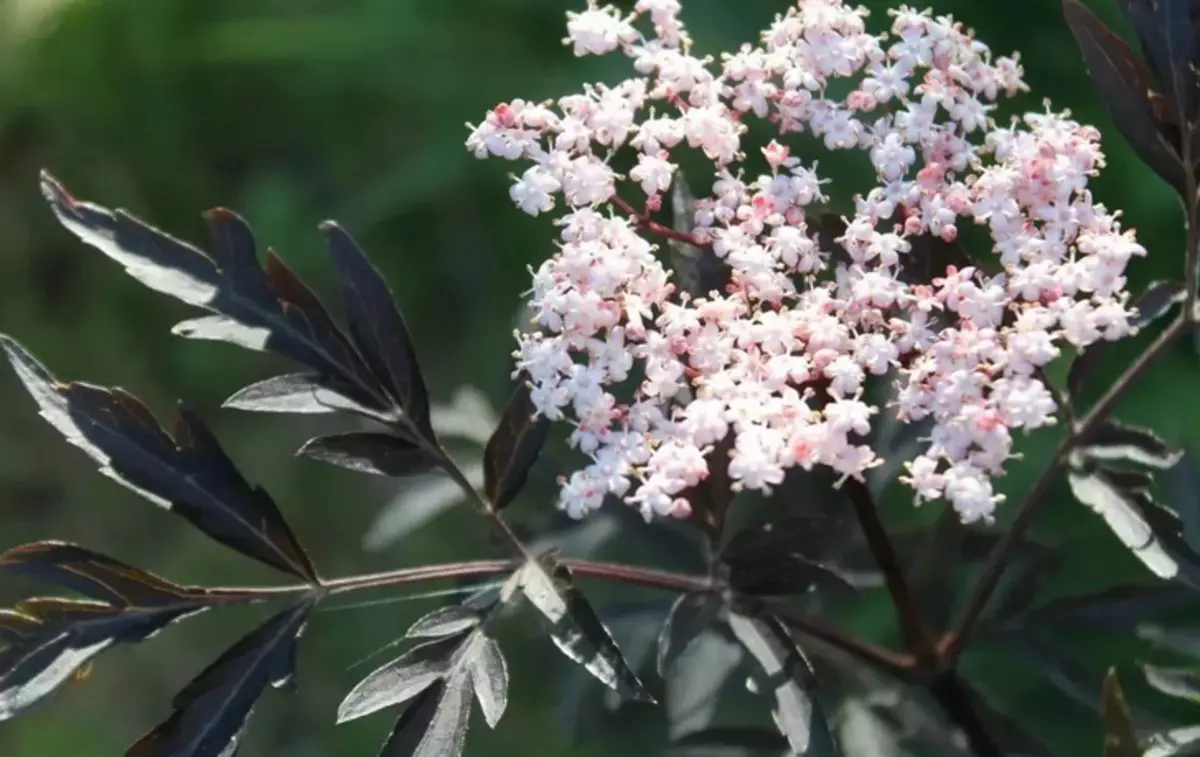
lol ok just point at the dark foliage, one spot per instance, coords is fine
(745, 595)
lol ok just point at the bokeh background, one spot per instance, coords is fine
(293, 111)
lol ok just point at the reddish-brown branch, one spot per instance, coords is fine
(654, 227)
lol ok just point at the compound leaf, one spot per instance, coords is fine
(189, 474)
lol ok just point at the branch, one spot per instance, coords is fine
(632, 574)
(952, 644)
(918, 637)
(654, 227)
(899, 665)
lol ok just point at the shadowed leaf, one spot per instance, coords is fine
(188, 474)
(212, 710)
(1119, 737)
(378, 328)
(689, 615)
(370, 452)
(789, 678)
(576, 629)
(1122, 82)
(513, 448)
(44, 641)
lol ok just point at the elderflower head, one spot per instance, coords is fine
(777, 362)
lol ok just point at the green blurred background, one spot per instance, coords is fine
(293, 111)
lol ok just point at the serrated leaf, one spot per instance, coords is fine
(44, 641)
(576, 629)
(435, 724)
(402, 678)
(1120, 740)
(1118, 441)
(189, 474)
(513, 448)
(271, 310)
(689, 615)
(1169, 44)
(212, 710)
(374, 452)
(797, 714)
(1158, 300)
(1122, 82)
(378, 328)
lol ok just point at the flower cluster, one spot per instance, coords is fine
(652, 377)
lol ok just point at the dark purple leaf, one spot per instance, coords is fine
(575, 628)
(44, 641)
(370, 452)
(1123, 83)
(779, 575)
(710, 499)
(1117, 441)
(1168, 40)
(1159, 299)
(188, 474)
(513, 448)
(378, 328)
(270, 310)
(212, 710)
(690, 615)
